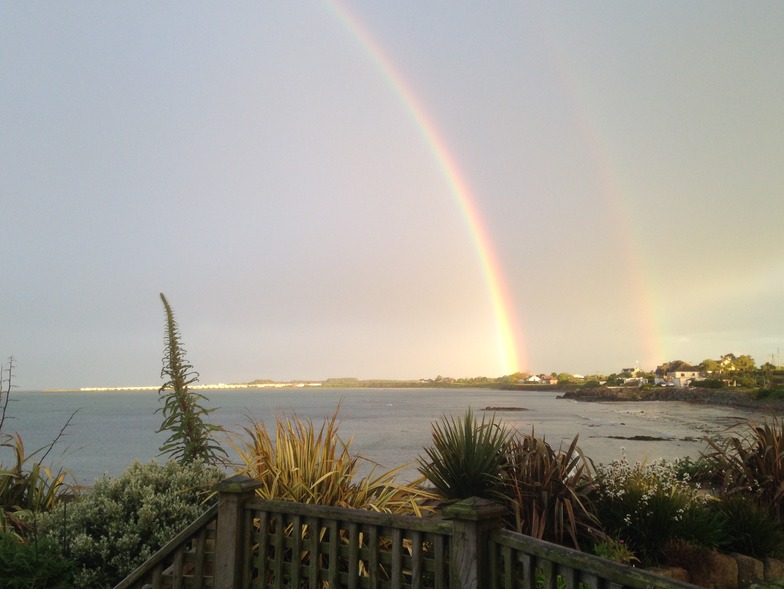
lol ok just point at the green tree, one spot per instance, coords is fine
(709, 365)
(728, 362)
(191, 438)
(745, 363)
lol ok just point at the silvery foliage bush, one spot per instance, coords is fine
(113, 528)
(648, 504)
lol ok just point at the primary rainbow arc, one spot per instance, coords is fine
(510, 348)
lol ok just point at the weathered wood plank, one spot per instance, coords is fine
(360, 516)
(417, 560)
(199, 565)
(313, 534)
(333, 538)
(529, 571)
(279, 549)
(587, 563)
(570, 576)
(248, 540)
(354, 541)
(296, 550)
(156, 578)
(373, 560)
(262, 538)
(441, 575)
(396, 568)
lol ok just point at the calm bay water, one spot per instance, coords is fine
(389, 426)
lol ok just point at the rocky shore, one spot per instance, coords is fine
(690, 395)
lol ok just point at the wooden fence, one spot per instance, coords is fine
(246, 543)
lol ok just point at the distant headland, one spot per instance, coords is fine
(335, 383)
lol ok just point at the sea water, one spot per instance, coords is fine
(107, 431)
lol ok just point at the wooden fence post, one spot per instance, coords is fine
(472, 521)
(229, 559)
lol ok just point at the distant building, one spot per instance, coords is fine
(637, 381)
(683, 376)
(676, 374)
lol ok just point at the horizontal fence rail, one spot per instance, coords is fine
(186, 562)
(522, 562)
(312, 546)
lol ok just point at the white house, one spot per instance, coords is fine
(683, 376)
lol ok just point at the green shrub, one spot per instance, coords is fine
(646, 505)
(702, 471)
(467, 457)
(772, 394)
(118, 524)
(615, 550)
(709, 383)
(592, 384)
(549, 491)
(36, 565)
(751, 528)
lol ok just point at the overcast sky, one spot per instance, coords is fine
(259, 163)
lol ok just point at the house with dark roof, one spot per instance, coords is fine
(678, 374)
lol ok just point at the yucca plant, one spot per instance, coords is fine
(467, 457)
(549, 491)
(299, 462)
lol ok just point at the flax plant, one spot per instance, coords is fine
(753, 462)
(550, 490)
(299, 462)
(27, 487)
